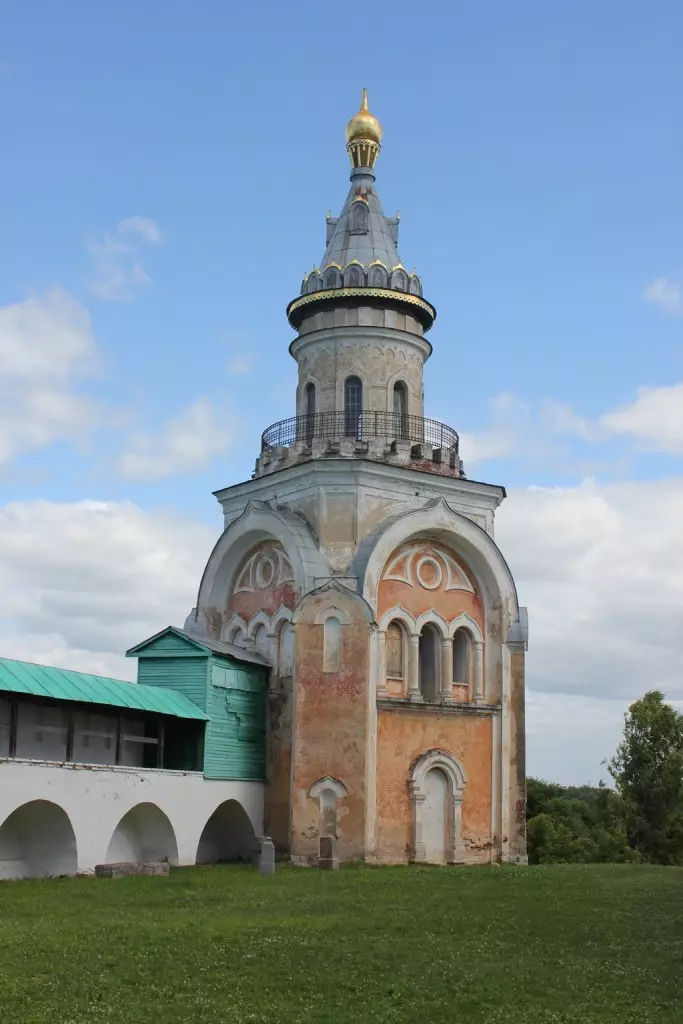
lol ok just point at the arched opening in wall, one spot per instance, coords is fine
(400, 409)
(429, 661)
(353, 406)
(309, 410)
(394, 646)
(37, 841)
(236, 636)
(462, 657)
(331, 644)
(262, 642)
(435, 816)
(227, 836)
(143, 835)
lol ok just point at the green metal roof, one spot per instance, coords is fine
(65, 684)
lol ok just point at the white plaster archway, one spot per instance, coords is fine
(258, 619)
(228, 835)
(435, 619)
(37, 840)
(465, 621)
(400, 615)
(257, 523)
(143, 834)
(235, 625)
(437, 520)
(328, 792)
(456, 780)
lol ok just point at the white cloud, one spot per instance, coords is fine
(655, 418)
(665, 293)
(239, 366)
(601, 570)
(568, 737)
(600, 567)
(118, 273)
(187, 443)
(510, 422)
(148, 229)
(46, 345)
(82, 582)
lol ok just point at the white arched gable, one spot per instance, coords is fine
(465, 621)
(447, 763)
(259, 619)
(437, 519)
(257, 523)
(332, 611)
(398, 614)
(235, 624)
(283, 614)
(329, 599)
(334, 785)
(436, 620)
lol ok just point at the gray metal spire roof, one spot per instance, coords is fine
(366, 235)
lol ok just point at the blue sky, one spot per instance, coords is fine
(168, 167)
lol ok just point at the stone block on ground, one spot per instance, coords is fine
(124, 869)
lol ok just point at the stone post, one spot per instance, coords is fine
(446, 687)
(418, 847)
(328, 859)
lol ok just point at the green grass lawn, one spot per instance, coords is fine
(549, 944)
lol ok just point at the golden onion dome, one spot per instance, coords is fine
(364, 125)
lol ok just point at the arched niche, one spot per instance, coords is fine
(37, 840)
(437, 788)
(257, 525)
(227, 836)
(143, 835)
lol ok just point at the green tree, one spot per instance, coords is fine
(648, 773)
(575, 824)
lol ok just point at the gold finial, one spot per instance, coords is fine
(363, 136)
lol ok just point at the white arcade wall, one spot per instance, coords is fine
(60, 819)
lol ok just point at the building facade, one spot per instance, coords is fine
(354, 665)
(96, 770)
(360, 563)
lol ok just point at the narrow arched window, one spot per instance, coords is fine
(462, 657)
(353, 406)
(394, 651)
(331, 279)
(331, 644)
(353, 278)
(359, 218)
(400, 409)
(309, 413)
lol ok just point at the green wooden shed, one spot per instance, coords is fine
(227, 683)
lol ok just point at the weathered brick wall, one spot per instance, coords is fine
(330, 724)
(402, 737)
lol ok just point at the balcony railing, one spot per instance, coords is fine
(359, 425)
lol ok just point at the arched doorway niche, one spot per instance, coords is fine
(227, 836)
(143, 835)
(437, 789)
(37, 840)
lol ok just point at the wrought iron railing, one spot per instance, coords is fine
(336, 425)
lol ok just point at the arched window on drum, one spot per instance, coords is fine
(394, 648)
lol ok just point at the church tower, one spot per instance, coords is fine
(361, 562)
